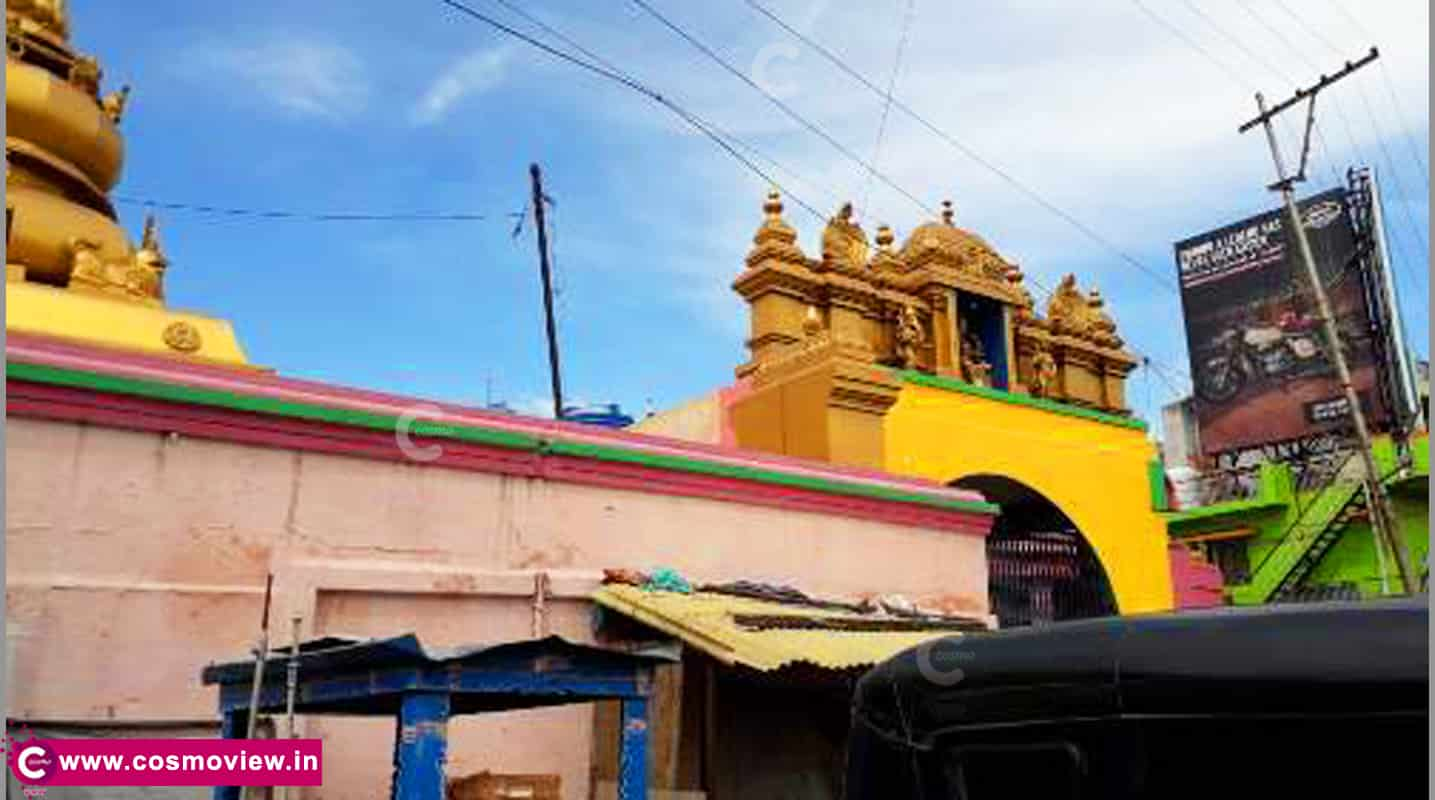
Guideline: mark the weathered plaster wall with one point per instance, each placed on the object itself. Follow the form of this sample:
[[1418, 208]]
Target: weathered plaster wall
[[134, 559]]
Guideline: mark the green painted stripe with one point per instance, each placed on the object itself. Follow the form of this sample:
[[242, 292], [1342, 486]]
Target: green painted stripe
[[741, 471], [178, 393], [1041, 403], [1156, 474], [1177, 519]]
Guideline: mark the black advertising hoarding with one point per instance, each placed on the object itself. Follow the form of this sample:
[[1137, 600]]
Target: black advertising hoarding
[[1259, 364]]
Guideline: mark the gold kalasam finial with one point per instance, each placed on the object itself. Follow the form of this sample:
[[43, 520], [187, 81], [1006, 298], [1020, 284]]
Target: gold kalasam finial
[[947, 213], [885, 238], [773, 207]]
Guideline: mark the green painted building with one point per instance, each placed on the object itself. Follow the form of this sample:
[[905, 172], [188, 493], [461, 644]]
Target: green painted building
[[1282, 543]]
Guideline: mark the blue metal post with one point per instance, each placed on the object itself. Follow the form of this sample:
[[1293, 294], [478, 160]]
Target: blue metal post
[[633, 752], [421, 746], [231, 728]]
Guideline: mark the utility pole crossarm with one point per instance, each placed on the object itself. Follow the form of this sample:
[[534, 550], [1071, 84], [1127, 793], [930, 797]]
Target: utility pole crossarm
[[1301, 94]]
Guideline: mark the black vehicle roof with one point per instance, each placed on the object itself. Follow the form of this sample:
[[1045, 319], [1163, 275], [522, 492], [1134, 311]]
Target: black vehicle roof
[[1327, 658]]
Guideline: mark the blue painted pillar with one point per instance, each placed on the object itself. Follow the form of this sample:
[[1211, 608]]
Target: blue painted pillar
[[633, 751], [233, 727], [421, 746]]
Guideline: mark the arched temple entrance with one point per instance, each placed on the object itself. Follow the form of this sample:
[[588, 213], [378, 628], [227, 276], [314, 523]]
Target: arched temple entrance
[[1040, 567]]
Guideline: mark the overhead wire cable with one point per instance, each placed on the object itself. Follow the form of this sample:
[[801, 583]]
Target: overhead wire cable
[[1411, 227], [1378, 130], [974, 156], [1257, 58], [792, 113], [967, 150], [1395, 103], [598, 58], [632, 83], [1279, 35], [887, 104], [198, 208]]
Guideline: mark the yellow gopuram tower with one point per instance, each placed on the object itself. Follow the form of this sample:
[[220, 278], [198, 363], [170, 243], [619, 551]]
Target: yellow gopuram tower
[[931, 359], [70, 270]]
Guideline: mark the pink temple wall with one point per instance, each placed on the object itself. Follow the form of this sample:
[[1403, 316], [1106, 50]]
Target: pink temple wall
[[135, 558]]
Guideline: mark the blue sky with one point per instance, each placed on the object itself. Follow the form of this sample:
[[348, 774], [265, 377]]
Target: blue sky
[[366, 107]]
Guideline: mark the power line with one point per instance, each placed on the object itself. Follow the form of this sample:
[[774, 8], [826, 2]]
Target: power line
[[972, 155], [1394, 175], [784, 107], [1385, 74], [1230, 37], [297, 215], [887, 105], [967, 151], [1390, 87], [578, 46], [1221, 31], [1276, 32], [1195, 45], [707, 129], [632, 83], [1401, 117], [1365, 100], [1408, 222]]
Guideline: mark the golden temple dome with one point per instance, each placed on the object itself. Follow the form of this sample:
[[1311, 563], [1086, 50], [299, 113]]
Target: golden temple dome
[[943, 242]]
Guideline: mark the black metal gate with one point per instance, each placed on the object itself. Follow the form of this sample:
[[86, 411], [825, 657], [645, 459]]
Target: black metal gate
[[1035, 578]]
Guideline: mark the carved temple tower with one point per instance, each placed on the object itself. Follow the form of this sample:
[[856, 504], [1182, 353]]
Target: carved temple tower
[[832, 336], [70, 270]]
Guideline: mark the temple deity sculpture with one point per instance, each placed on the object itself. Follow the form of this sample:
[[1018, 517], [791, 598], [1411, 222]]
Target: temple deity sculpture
[[844, 244], [1044, 372], [908, 336], [114, 104], [976, 370]]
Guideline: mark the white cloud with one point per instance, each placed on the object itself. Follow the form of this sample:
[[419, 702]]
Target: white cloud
[[300, 75], [475, 73]]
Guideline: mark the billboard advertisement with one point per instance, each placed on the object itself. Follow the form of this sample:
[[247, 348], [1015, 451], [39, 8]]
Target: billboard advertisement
[[1259, 365]]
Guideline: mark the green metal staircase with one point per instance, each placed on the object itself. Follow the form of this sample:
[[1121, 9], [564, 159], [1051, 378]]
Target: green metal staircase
[[1309, 538]]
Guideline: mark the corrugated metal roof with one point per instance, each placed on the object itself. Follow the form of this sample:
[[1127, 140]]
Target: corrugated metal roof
[[339, 654], [766, 635]]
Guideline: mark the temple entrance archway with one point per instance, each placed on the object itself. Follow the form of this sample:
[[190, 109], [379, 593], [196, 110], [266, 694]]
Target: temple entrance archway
[[1040, 567]]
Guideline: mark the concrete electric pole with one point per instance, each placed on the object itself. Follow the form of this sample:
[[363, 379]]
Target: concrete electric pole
[[1382, 519]]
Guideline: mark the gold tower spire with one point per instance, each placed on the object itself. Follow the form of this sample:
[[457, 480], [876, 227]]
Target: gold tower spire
[[70, 269]]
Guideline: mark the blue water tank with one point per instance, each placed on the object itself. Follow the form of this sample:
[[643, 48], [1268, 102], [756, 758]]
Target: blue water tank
[[608, 415]]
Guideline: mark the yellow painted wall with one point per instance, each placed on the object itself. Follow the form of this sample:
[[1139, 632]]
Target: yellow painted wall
[[1095, 472]]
